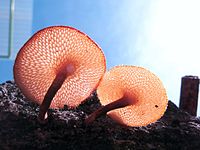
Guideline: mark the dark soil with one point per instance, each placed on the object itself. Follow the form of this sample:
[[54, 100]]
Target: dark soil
[[65, 129]]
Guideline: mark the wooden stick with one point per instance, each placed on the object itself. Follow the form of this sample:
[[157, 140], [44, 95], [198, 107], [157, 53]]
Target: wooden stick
[[189, 94]]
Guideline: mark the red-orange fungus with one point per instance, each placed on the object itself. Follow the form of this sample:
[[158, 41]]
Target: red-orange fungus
[[62, 58], [131, 95]]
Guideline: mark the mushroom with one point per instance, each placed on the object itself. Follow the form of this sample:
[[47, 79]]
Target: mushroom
[[130, 95], [58, 63]]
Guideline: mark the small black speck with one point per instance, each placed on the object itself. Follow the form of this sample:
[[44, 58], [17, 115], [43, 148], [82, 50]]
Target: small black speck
[[156, 106]]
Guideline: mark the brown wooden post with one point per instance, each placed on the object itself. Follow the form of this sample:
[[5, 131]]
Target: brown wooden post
[[189, 94]]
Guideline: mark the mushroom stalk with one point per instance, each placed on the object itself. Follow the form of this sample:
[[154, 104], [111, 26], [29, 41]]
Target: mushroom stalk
[[46, 61], [120, 103], [144, 97], [55, 86]]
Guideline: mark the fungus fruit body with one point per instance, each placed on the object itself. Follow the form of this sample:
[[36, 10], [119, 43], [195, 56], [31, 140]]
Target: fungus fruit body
[[59, 63], [131, 95]]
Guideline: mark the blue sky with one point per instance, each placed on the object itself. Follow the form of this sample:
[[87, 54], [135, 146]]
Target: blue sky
[[107, 22], [162, 36]]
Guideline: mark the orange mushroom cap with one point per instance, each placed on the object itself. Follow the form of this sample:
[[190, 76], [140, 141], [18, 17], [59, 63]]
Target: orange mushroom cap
[[141, 88], [49, 51]]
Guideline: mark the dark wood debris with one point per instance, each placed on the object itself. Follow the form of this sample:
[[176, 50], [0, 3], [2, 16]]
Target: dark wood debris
[[65, 129]]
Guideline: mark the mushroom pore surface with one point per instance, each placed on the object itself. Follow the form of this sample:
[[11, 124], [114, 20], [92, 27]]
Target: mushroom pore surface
[[136, 84], [59, 49]]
